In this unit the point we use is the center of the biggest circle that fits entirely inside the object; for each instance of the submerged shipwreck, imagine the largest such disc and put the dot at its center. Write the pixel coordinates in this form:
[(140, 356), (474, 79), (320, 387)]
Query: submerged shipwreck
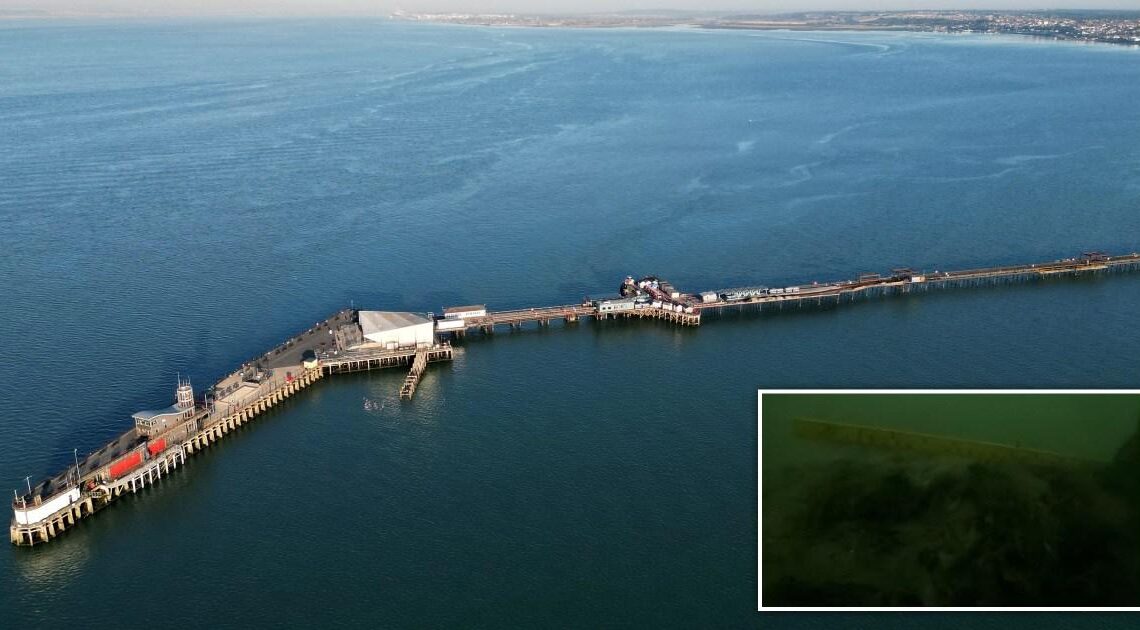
[(981, 525)]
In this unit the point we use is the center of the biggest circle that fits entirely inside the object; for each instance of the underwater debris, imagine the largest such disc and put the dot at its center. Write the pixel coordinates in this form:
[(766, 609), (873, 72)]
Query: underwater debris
[(939, 531)]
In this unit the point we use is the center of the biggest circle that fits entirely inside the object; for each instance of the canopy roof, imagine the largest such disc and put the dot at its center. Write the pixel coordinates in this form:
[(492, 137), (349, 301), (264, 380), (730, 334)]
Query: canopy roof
[(372, 322)]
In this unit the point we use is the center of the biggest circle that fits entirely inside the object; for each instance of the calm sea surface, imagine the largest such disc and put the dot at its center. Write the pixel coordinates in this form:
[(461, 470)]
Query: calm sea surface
[(176, 197)]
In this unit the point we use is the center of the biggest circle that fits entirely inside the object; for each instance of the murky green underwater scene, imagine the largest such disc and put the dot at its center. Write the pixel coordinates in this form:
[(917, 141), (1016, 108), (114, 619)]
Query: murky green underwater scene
[(954, 499)]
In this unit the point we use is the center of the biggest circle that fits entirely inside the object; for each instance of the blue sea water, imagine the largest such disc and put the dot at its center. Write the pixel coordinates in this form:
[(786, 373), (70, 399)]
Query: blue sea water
[(176, 197)]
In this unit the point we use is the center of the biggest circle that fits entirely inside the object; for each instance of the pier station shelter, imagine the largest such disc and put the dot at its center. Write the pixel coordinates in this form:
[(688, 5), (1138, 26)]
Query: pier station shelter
[(396, 330)]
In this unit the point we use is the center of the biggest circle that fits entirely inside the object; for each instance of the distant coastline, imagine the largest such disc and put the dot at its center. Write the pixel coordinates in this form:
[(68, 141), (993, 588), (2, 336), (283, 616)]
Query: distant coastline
[(1108, 27), (1090, 26)]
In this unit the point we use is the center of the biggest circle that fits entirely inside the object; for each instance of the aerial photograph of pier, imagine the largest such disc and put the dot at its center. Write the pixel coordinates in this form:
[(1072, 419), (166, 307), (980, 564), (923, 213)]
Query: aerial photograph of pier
[(456, 314)]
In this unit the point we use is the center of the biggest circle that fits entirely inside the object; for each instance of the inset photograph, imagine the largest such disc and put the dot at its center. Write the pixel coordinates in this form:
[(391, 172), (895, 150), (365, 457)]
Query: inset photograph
[(949, 499)]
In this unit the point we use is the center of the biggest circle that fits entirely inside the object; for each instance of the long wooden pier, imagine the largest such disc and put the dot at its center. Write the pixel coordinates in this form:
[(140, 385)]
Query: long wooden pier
[(686, 309), (542, 315), (153, 450), (901, 281)]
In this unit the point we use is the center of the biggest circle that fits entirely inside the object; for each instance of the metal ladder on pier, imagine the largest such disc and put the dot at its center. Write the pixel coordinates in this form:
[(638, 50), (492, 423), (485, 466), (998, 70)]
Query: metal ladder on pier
[(413, 377)]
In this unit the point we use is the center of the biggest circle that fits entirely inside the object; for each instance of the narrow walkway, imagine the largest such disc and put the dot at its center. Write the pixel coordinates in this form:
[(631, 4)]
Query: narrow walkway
[(413, 378)]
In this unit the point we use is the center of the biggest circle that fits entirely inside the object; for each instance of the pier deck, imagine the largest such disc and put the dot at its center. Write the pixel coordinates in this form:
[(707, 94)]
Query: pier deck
[(914, 281), (541, 315)]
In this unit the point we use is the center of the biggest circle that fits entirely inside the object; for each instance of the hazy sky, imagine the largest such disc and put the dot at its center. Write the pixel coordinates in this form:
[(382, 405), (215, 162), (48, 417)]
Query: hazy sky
[(384, 7)]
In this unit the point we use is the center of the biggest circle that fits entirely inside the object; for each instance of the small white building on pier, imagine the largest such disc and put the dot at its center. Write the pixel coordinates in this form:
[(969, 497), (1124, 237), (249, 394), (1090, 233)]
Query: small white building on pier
[(465, 312)]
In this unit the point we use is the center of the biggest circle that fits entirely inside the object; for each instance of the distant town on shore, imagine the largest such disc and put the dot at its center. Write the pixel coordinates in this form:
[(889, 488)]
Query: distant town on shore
[(1112, 27)]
